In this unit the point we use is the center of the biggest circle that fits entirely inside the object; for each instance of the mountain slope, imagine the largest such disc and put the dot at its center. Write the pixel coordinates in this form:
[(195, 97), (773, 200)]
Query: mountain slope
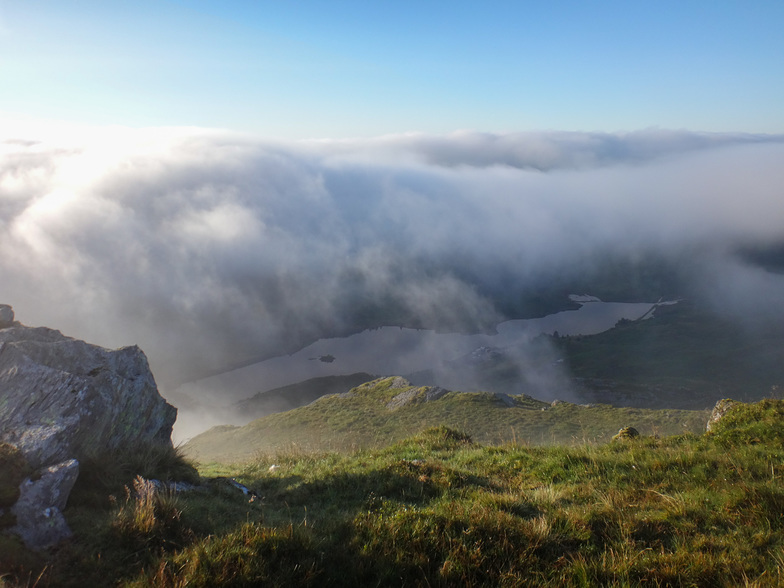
[(389, 409)]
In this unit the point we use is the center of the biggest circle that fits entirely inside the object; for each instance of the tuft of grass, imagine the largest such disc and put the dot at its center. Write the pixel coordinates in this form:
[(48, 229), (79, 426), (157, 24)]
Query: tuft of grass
[(106, 473), (149, 520)]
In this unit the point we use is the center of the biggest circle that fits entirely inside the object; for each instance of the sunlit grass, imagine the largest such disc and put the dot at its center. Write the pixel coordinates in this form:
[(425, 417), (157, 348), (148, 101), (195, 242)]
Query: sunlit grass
[(440, 509), (364, 420)]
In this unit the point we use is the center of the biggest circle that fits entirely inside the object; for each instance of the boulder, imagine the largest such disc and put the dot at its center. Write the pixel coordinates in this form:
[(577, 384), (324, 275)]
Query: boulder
[(6, 316), (39, 519), (61, 398)]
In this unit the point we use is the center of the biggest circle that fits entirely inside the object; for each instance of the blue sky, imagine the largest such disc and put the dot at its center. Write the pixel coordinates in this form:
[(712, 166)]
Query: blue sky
[(350, 69)]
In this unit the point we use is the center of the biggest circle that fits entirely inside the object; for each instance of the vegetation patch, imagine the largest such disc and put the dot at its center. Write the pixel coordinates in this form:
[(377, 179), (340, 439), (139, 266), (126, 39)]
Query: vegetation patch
[(742, 423), (439, 508), (363, 419)]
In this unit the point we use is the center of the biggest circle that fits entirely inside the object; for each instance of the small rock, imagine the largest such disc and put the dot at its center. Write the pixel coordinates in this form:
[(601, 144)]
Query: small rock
[(6, 316), (505, 399), (626, 433)]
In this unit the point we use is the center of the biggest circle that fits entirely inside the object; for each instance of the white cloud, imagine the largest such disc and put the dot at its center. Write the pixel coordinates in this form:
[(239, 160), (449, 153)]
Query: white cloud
[(209, 248)]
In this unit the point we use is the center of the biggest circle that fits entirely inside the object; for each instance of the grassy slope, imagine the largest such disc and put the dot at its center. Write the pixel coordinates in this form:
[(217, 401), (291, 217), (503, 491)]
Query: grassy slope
[(362, 419), (437, 509)]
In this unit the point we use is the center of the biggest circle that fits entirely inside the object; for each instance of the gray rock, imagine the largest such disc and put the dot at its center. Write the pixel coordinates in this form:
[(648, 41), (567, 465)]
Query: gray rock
[(626, 433), (399, 382), (505, 399), (415, 396), (721, 408), (6, 316), (39, 519), (61, 398)]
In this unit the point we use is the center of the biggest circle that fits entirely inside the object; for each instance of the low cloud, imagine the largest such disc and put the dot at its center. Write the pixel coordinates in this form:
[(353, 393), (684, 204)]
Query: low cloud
[(210, 249)]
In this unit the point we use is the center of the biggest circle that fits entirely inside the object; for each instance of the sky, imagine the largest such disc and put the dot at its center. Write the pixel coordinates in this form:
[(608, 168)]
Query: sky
[(312, 69)]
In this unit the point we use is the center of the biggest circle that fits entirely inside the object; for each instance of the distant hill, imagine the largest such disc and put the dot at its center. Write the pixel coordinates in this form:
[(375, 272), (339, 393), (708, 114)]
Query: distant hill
[(299, 394), (389, 409), (684, 357), (659, 374)]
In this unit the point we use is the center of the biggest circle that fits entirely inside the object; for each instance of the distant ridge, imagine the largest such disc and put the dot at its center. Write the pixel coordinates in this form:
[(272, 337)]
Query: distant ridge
[(299, 394), (387, 410)]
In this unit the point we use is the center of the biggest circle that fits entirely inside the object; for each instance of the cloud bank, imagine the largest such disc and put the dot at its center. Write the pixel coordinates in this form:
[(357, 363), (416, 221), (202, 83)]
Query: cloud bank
[(209, 249)]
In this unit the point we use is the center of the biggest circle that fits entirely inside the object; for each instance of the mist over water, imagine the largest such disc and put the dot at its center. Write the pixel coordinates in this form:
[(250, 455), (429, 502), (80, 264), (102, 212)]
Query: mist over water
[(211, 250), (403, 351)]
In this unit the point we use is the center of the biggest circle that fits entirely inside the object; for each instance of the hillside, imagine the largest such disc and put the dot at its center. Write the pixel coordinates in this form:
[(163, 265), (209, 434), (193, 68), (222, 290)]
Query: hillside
[(389, 409), (685, 357), (440, 509)]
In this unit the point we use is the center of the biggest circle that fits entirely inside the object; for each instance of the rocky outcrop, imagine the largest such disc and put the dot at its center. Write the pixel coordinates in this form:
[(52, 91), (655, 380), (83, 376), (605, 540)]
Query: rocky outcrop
[(61, 400), (721, 408), (415, 395)]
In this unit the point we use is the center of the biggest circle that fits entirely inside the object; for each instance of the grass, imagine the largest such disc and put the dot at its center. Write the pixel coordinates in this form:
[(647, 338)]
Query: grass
[(364, 419), (438, 508)]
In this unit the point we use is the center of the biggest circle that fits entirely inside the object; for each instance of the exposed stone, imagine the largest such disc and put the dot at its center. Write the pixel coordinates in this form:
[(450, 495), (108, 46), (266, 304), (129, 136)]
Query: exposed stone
[(722, 407), (626, 433), (6, 316), (505, 399), (415, 396), (399, 382), (62, 398), (39, 519)]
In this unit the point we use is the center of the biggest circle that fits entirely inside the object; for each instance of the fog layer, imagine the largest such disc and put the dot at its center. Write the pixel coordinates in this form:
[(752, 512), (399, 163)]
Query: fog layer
[(210, 249)]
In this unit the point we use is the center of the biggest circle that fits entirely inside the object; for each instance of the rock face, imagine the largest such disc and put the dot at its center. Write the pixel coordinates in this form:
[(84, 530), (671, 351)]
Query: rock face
[(60, 400)]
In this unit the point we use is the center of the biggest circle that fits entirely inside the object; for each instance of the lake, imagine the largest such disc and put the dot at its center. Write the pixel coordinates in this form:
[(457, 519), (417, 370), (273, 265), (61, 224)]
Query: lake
[(401, 351)]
